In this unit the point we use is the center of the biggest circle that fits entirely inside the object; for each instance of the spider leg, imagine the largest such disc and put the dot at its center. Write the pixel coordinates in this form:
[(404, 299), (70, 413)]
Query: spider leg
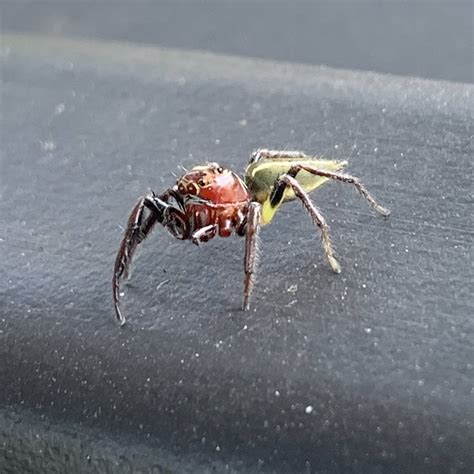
[(138, 227), (263, 153), (276, 198), (251, 241), (204, 234), (344, 178)]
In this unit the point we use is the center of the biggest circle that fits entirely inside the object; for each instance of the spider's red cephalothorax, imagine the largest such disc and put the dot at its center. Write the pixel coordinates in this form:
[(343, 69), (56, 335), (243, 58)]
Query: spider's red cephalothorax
[(210, 200), (215, 202)]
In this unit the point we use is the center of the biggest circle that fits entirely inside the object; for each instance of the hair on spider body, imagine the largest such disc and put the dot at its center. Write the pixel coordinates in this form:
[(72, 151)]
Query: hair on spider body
[(209, 200)]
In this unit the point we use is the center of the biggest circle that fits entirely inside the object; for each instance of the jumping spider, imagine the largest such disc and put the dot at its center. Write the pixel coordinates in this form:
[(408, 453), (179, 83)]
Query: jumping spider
[(210, 200)]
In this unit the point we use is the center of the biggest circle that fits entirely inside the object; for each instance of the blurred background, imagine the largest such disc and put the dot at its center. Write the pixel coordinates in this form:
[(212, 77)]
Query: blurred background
[(425, 38)]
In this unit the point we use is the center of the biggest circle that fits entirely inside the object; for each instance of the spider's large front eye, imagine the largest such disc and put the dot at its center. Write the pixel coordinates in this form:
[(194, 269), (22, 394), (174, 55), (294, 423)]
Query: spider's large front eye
[(192, 188), (220, 170), (202, 183)]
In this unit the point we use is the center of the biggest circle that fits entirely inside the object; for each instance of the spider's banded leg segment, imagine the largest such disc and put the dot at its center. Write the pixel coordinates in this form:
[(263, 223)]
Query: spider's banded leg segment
[(251, 242), (138, 227), (344, 178), (204, 234), (277, 197)]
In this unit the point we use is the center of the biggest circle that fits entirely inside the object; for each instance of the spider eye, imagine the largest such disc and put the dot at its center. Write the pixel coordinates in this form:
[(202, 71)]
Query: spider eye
[(220, 169), (192, 188), (201, 183)]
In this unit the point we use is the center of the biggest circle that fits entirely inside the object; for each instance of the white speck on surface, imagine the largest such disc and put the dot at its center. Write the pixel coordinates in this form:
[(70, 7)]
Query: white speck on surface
[(308, 409), (218, 448), (60, 108), (336, 147), (218, 142), (164, 282), (368, 330), (292, 289), (48, 146), (277, 393), (421, 382), (376, 150), (243, 123), (197, 354), (364, 285)]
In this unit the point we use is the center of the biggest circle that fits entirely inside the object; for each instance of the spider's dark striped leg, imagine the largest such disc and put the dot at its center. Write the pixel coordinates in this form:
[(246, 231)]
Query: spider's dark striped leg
[(344, 178), (251, 242), (204, 234), (276, 198), (138, 227)]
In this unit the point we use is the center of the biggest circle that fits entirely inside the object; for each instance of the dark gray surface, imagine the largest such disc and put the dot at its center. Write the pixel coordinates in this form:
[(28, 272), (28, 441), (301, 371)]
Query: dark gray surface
[(427, 38), (382, 353)]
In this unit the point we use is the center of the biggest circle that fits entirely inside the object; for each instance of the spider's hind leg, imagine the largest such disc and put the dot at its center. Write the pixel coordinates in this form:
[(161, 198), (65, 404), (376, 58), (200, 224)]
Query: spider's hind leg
[(343, 178), (318, 219)]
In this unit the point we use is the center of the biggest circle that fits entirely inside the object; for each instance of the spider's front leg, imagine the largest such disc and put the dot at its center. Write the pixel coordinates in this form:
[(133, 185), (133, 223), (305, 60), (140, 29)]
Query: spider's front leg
[(139, 225)]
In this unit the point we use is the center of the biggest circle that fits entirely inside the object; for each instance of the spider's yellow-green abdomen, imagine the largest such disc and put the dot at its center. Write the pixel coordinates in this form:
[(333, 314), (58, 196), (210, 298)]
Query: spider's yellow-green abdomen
[(262, 175)]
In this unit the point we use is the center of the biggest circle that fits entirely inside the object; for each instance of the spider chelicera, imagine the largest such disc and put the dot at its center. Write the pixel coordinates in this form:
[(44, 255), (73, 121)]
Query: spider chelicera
[(209, 200)]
